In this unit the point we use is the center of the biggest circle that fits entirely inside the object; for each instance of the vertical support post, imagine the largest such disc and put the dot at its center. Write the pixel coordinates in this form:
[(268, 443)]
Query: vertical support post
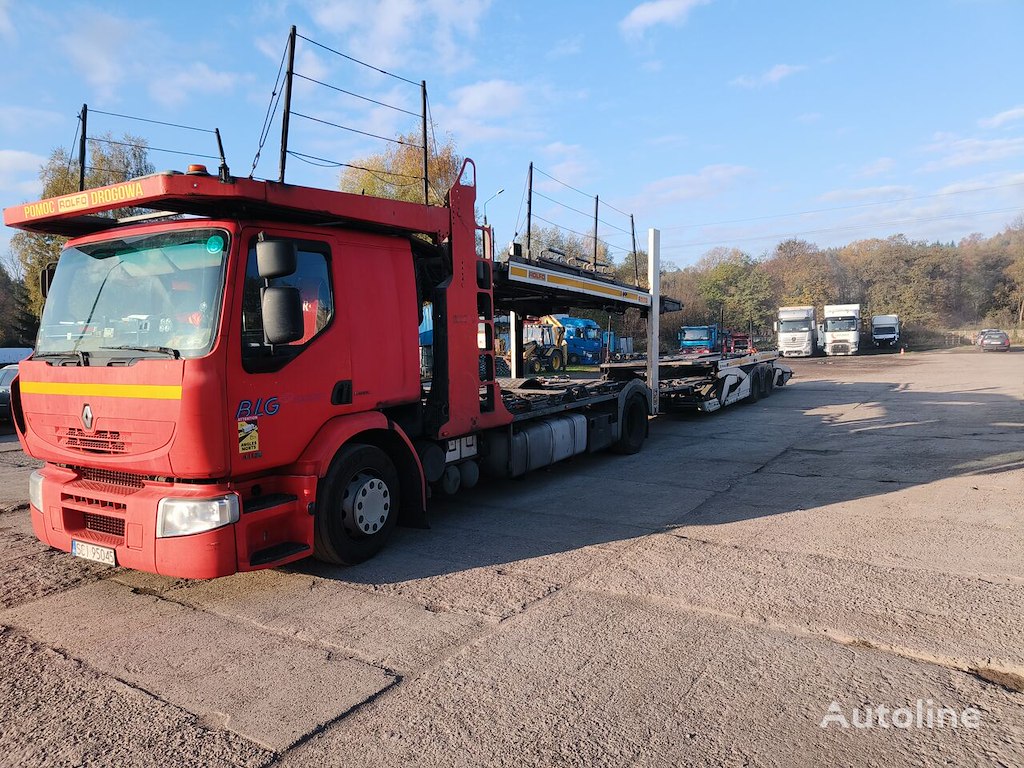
[(286, 115), (636, 263), (529, 209), (426, 147), (515, 343), (81, 148), (654, 315), (596, 207)]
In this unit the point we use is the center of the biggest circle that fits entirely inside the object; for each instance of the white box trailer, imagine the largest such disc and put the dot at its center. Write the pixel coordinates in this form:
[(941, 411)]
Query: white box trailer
[(842, 329)]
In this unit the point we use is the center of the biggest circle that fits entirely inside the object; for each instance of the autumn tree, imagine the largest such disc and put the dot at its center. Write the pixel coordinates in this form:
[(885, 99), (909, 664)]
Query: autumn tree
[(397, 172), (109, 162)]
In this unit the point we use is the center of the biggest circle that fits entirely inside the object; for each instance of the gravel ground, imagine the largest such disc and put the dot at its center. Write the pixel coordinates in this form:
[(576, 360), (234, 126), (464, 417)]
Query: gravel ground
[(855, 541)]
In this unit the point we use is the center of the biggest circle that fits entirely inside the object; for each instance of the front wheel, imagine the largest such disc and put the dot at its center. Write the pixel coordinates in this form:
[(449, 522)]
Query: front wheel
[(357, 505), (555, 361)]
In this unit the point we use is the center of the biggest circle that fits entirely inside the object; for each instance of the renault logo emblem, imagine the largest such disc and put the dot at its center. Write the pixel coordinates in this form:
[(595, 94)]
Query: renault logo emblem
[(87, 417)]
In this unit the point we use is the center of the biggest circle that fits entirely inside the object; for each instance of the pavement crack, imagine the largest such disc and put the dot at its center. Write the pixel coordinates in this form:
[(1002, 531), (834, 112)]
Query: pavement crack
[(1010, 681)]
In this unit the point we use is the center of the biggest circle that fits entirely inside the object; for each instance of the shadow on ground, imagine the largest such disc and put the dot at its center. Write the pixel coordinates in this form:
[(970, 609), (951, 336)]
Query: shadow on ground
[(811, 445)]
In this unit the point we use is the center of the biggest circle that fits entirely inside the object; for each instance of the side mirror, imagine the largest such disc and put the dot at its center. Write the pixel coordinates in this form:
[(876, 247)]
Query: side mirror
[(775, 326), (46, 278), (276, 258), (282, 315)]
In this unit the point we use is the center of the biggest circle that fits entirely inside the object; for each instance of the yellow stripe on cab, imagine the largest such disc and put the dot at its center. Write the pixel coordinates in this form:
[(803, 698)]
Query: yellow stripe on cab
[(133, 391)]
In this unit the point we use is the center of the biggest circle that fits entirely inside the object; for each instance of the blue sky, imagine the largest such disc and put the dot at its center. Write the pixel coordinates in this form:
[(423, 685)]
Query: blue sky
[(732, 123)]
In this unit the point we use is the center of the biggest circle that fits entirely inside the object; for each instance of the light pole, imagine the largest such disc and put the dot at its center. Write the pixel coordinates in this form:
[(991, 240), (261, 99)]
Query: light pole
[(489, 200)]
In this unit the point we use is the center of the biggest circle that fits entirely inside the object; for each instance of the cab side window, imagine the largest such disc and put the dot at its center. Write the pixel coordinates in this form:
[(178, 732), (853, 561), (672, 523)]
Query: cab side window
[(312, 279)]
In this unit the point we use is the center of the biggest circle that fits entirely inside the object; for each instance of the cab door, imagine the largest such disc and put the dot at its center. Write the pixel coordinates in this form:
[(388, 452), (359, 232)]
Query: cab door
[(280, 395)]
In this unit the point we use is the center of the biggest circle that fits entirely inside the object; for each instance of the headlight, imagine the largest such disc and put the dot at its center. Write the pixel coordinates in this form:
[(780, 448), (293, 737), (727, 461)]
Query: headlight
[(181, 517), (35, 490)]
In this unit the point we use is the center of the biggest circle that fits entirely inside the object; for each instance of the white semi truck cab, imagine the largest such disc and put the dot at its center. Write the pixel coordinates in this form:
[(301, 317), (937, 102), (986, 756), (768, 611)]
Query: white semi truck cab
[(842, 329), (798, 331), (885, 330)]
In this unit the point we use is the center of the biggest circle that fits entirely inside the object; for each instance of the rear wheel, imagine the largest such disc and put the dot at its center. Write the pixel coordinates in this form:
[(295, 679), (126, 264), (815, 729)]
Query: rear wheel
[(754, 377), (357, 505), (769, 380), (634, 426)]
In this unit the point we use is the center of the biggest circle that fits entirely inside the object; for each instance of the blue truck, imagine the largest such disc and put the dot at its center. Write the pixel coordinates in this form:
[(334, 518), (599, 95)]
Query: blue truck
[(694, 338), (582, 338)]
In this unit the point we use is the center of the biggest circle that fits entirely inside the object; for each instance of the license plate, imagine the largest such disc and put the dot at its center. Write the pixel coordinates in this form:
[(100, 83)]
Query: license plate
[(103, 555)]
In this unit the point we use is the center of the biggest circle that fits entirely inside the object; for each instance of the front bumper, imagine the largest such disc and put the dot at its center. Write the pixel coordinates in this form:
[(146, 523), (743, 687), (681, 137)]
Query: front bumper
[(119, 511)]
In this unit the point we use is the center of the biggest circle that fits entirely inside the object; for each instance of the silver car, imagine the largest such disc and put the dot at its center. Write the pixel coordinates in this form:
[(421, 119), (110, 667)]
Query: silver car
[(7, 374)]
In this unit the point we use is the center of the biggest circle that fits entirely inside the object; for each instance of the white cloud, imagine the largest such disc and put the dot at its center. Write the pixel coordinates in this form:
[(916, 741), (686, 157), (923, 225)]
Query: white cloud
[(869, 194), (998, 121), (954, 152), (197, 78), (569, 46), (655, 13), (492, 110), (28, 120), (876, 168), (6, 25), (391, 34), (566, 162), (19, 175), (772, 77), (104, 64), (809, 117), (709, 181)]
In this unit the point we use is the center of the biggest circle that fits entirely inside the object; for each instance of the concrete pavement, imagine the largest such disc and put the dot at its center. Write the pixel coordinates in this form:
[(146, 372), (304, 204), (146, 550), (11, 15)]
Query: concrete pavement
[(855, 540)]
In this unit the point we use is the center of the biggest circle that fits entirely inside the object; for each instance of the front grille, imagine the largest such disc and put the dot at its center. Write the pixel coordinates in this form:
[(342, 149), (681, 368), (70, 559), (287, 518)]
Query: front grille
[(85, 501), (109, 478), (101, 441), (113, 526)]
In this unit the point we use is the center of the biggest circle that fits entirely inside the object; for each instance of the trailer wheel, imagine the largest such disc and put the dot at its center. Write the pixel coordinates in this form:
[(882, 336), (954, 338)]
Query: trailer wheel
[(634, 426), (769, 380), (357, 506), (555, 361), (754, 377)]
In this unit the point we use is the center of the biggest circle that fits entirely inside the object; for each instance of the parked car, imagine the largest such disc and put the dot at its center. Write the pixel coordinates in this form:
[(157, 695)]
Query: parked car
[(7, 374), (983, 333), (995, 340)]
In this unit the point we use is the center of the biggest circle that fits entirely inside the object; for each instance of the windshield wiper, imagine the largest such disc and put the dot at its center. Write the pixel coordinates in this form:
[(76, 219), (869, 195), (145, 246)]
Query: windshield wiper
[(169, 351)]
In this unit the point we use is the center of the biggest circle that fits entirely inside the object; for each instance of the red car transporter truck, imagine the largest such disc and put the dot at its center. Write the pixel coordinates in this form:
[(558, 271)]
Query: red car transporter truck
[(212, 391)]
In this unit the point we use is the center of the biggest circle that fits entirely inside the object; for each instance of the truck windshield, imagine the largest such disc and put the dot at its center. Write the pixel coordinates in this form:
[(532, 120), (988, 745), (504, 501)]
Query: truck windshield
[(696, 334), (592, 334), (795, 326), (886, 330), (156, 293), (840, 324)]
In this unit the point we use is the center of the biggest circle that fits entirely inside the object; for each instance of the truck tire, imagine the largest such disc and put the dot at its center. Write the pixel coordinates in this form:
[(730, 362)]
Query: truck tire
[(574, 359), (534, 365), (357, 505), (769, 380), (555, 361), (754, 377), (634, 426)]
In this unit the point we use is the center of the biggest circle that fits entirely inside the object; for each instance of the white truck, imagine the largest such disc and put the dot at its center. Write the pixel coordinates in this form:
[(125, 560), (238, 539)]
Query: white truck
[(842, 329), (798, 331), (885, 330)]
